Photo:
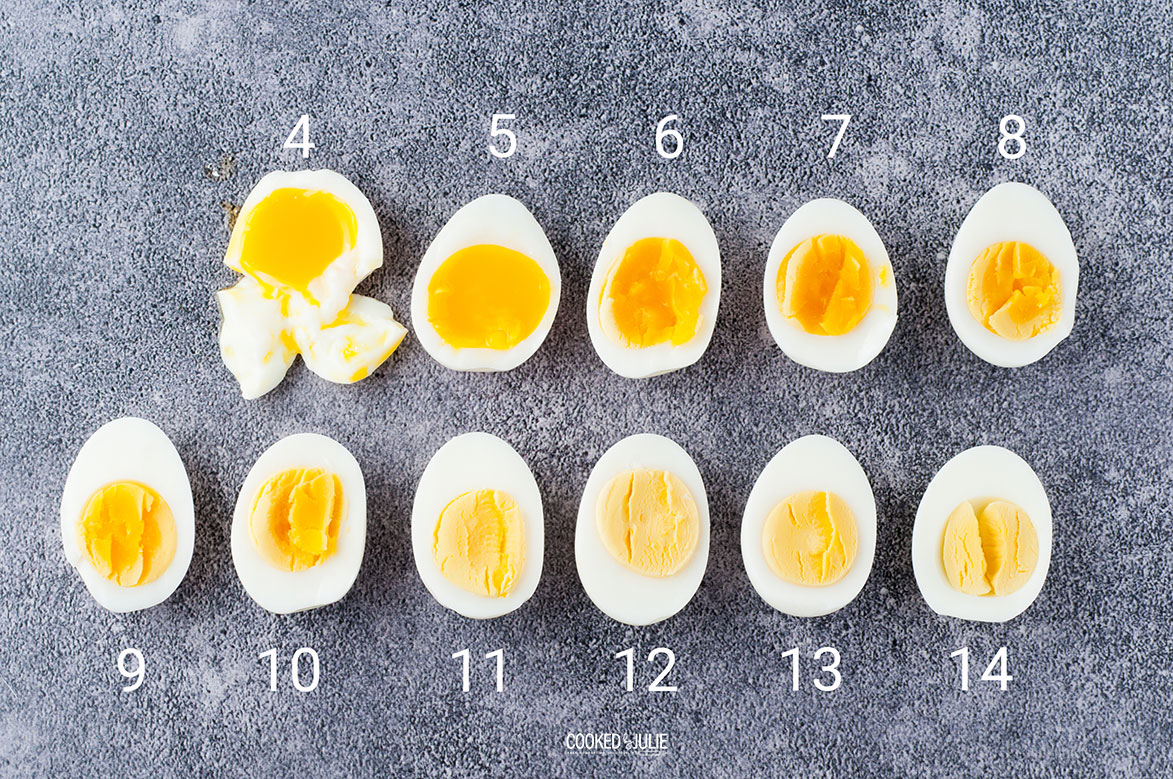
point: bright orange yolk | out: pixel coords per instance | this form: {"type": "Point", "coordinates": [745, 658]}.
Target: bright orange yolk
{"type": "Point", "coordinates": [1014, 291]}
{"type": "Point", "coordinates": [128, 532]}
{"type": "Point", "coordinates": [825, 285]}
{"type": "Point", "coordinates": [654, 293]}
{"type": "Point", "coordinates": [487, 297]}
{"type": "Point", "coordinates": [296, 516]}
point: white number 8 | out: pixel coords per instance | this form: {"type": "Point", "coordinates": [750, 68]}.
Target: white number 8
{"type": "Point", "coordinates": [137, 673]}
{"type": "Point", "coordinates": [1016, 136]}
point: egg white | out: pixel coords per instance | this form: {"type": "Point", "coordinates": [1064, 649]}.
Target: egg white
{"type": "Point", "coordinates": [490, 219]}
{"type": "Point", "coordinates": [984, 472]}
{"type": "Point", "coordinates": [129, 449]}
{"type": "Point", "coordinates": [284, 592]}
{"type": "Point", "coordinates": [251, 343]}
{"type": "Point", "coordinates": [660, 215]}
{"type": "Point", "coordinates": [615, 589]}
{"type": "Point", "coordinates": [469, 462]}
{"type": "Point", "coordinates": [1010, 212]}
{"type": "Point", "coordinates": [854, 349]}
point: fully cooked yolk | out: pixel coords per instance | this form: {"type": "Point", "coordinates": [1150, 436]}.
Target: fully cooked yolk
{"type": "Point", "coordinates": [1014, 291]}
{"type": "Point", "coordinates": [293, 235]}
{"type": "Point", "coordinates": [479, 542]}
{"type": "Point", "coordinates": [648, 521]}
{"type": "Point", "coordinates": [989, 552]}
{"type": "Point", "coordinates": [487, 297]}
{"type": "Point", "coordinates": [128, 532]}
{"type": "Point", "coordinates": [296, 516]}
{"type": "Point", "coordinates": [825, 285]}
{"type": "Point", "coordinates": [654, 293]}
{"type": "Point", "coordinates": [810, 538]}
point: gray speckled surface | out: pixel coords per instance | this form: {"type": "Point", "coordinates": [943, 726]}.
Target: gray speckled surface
{"type": "Point", "coordinates": [113, 238]}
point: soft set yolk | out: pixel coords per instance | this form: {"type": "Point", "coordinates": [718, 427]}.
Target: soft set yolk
{"type": "Point", "coordinates": [128, 532]}
{"type": "Point", "coordinates": [810, 538]}
{"type": "Point", "coordinates": [989, 552]}
{"type": "Point", "coordinates": [1014, 291]}
{"type": "Point", "coordinates": [654, 293]}
{"type": "Point", "coordinates": [648, 521]}
{"type": "Point", "coordinates": [479, 542]}
{"type": "Point", "coordinates": [296, 516]}
{"type": "Point", "coordinates": [825, 285]}
{"type": "Point", "coordinates": [487, 297]}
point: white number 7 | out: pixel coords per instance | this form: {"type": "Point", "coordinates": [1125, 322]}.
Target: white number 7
{"type": "Point", "coordinates": [845, 118]}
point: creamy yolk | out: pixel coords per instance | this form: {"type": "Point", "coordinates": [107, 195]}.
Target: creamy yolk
{"type": "Point", "coordinates": [648, 521]}
{"type": "Point", "coordinates": [1014, 291]}
{"type": "Point", "coordinates": [810, 538]}
{"type": "Point", "coordinates": [296, 516]}
{"type": "Point", "coordinates": [293, 235]}
{"type": "Point", "coordinates": [654, 293]}
{"type": "Point", "coordinates": [989, 552]}
{"type": "Point", "coordinates": [487, 297]}
{"type": "Point", "coordinates": [128, 532]}
{"type": "Point", "coordinates": [825, 285]}
{"type": "Point", "coordinates": [479, 542]}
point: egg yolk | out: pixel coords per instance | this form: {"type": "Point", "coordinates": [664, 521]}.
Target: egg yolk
{"type": "Point", "coordinates": [825, 285]}
{"type": "Point", "coordinates": [293, 235]}
{"type": "Point", "coordinates": [296, 516]}
{"type": "Point", "coordinates": [1014, 291]}
{"type": "Point", "coordinates": [648, 521]}
{"type": "Point", "coordinates": [654, 293]}
{"type": "Point", "coordinates": [487, 297]}
{"type": "Point", "coordinates": [991, 551]}
{"type": "Point", "coordinates": [479, 542]}
{"type": "Point", "coordinates": [810, 539]}
{"type": "Point", "coordinates": [128, 532]}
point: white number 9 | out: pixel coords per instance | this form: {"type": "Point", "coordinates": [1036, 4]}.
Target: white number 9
{"type": "Point", "coordinates": [671, 132]}
{"type": "Point", "coordinates": [135, 673]}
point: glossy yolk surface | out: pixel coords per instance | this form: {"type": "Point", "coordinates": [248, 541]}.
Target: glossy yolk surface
{"type": "Point", "coordinates": [825, 285]}
{"type": "Point", "coordinates": [810, 538]}
{"type": "Point", "coordinates": [989, 552]}
{"type": "Point", "coordinates": [128, 532]}
{"type": "Point", "coordinates": [479, 542]}
{"type": "Point", "coordinates": [296, 517]}
{"type": "Point", "coordinates": [1014, 291]}
{"type": "Point", "coordinates": [648, 521]}
{"type": "Point", "coordinates": [654, 293]}
{"type": "Point", "coordinates": [487, 297]}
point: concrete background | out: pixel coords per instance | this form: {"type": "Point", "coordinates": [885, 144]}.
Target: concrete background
{"type": "Point", "coordinates": [127, 128]}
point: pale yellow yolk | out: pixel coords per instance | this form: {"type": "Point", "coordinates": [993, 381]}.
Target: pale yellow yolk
{"type": "Point", "coordinates": [487, 297]}
{"type": "Point", "coordinates": [810, 538]}
{"type": "Point", "coordinates": [825, 285]}
{"type": "Point", "coordinates": [1014, 291]}
{"type": "Point", "coordinates": [991, 552]}
{"type": "Point", "coordinates": [654, 293]}
{"type": "Point", "coordinates": [128, 532]}
{"type": "Point", "coordinates": [479, 543]}
{"type": "Point", "coordinates": [296, 516]}
{"type": "Point", "coordinates": [293, 235]}
{"type": "Point", "coordinates": [648, 521]}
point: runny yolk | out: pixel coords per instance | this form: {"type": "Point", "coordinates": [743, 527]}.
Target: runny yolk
{"type": "Point", "coordinates": [128, 532]}
{"type": "Point", "coordinates": [479, 542]}
{"type": "Point", "coordinates": [295, 518]}
{"type": "Point", "coordinates": [654, 293]}
{"type": "Point", "coordinates": [487, 297]}
{"type": "Point", "coordinates": [825, 285]}
{"type": "Point", "coordinates": [810, 538]}
{"type": "Point", "coordinates": [1014, 291]}
{"type": "Point", "coordinates": [648, 521]}
{"type": "Point", "coordinates": [991, 551]}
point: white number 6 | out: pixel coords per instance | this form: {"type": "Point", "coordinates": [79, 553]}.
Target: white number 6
{"type": "Point", "coordinates": [671, 132]}
{"type": "Point", "coordinates": [495, 131]}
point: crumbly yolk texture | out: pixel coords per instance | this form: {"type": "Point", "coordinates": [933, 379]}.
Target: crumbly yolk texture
{"type": "Point", "coordinates": [810, 539]}
{"type": "Point", "coordinates": [293, 235]}
{"type": "Point", "coordinates": [825, 285]}
{"type": "Point", "coordinates": [654, 293]}
{"type": "Point", "coordinates": [296, 517]}
{"type": "Point", "coordinates": [487, 297]}
{"type": "Point", "coordinates": [479, 543]}
{"type": "Point", "coordinates": [991, 551]}
{"type": "Point", "coordinates": [128, 532]}
{"type": "Point", "coordinates": [1014, 291]}
{"type": "Point", "coordinates": [648, 521]}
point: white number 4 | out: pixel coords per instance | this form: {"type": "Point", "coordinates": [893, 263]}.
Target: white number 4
{"type": "Point", "coordinates": [510, 138]}
{"type": "Point", "coordinates": [303, 127]}
{"type": "Point", "coordinates": [1002, 676]}
{"type": "Point", "coordinates": [845, 118]}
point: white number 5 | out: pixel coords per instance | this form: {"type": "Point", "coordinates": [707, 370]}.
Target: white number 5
{"type": "Point", "coordinates": [845, 118]}
{"type": "Point", "coordinates": [495, 131]}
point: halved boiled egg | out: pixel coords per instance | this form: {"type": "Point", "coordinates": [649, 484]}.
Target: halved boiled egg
{"type": "Point", "coordinates": [487, 288]}
{"type": "Point", "coordinates": [127, 519]}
